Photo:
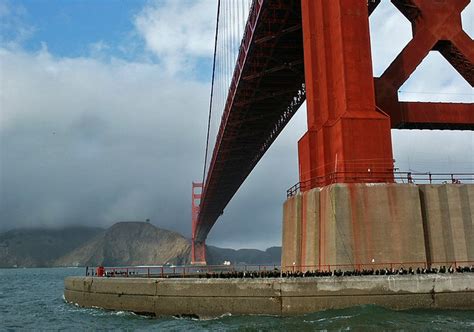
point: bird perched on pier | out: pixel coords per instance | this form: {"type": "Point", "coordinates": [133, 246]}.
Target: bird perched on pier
{"type": "Point", "coordinates": [338, 273]}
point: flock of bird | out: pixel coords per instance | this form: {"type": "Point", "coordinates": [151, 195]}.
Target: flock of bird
{"type": "Point", "coordinates": [336, 273]}
{"type": "Point", "coordinates": [276, 273]}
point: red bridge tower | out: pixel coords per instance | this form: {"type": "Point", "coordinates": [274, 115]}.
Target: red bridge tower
{"type": "Point", "coordinates": [198, 249]}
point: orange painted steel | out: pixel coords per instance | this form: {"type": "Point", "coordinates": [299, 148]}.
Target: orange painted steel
{"type": "Point", "coordinates": [399, 177]}
{"type": "Point", "coordinates": [198, 248]}
{"type": "Point", "coordinates": [346, 131]}
{"type": "Point", "coordinates": [436, 26]}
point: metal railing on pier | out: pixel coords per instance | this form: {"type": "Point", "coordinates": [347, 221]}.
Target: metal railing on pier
{"type": "Point", "coordinates": [271, 270]}
{"type": "Point", "coordinates": [398, 177]}
{"type": "Point", "coordinates": [181, 271]}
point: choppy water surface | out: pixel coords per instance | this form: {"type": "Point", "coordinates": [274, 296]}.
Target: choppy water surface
{"type": "Point", "coordinates": [33, 299]}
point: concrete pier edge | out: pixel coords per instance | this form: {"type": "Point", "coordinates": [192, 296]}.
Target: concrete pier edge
{"type": "Point", "coordinates": [206, 298]}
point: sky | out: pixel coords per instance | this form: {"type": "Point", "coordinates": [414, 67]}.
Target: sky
{"type": "Point", "coordinates": [103, 114]}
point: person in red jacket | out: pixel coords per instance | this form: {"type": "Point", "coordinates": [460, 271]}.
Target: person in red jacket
{"type": "Point", "coordinates": [100, 271]}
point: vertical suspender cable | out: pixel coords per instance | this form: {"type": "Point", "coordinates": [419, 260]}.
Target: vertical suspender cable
{"type": "Point", "coordinates": [227, 45]}
{"type": "Point", "coordinates": [239, 19]}
{"type": "Point", "coordinates": [222, 59]}
{"type": "Point", "coordinates": [231, 32]}
{"type": "Point", "coordinates": [224, 43]}
{"type": "Point", "coordinates": [232, 50]}
{"type": "Point", "coordinates": [212, 92]}
{"type": "Point", "coordinates": [224, 54]}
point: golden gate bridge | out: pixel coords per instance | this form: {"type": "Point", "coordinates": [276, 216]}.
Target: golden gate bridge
{"type": "Point", "coordinates": [272, 55]}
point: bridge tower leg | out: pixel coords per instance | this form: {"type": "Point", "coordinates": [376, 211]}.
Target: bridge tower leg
{"type": "Point", "coordinates": [198, 249]}
{"type": "Point", "coordinates": [348, 138]}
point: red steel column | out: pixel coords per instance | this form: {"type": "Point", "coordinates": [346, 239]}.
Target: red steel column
{"type": "Point", "coordinates": [348, 139]}
{"type": "Point", "coordinates": [198, 249]}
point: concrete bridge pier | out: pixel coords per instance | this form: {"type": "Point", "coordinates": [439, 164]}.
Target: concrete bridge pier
{"type": "Point", "coordinates": [357, 226]}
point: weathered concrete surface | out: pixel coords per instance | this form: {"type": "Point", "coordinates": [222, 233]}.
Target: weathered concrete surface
{"type": "Point", "coordinates": [310, 235]}
{"type": "Point", "coordinates": [449, 222]}
{"type": "Point", "coordinates": [292, 231]}
{"type": "Point", "coordinates": [346, 225]}
{"type": "Point", "coordinates": [300, 233]}
{"type": "Point", "coordinates": [214, 297]}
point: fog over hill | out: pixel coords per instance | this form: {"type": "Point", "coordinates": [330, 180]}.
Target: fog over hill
{"type": "Point", "coordinates": [125, 243]}
{"type": "Point", "coordinates": [41, 246]}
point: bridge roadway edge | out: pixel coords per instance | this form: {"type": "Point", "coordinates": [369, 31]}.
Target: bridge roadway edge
{"type": "Point", "coordinates": [207, 298]}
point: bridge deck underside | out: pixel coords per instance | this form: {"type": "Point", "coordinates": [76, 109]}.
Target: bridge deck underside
{"type": "Point", "coordinates": [267, 91]}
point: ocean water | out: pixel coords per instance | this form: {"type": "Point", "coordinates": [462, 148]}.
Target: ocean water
{"type": "Point", "coordinates": [32, 299]}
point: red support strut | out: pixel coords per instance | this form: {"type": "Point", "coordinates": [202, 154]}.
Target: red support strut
{"type": "Point", "coordinates": [198, 249]}
{"type": "Point", "coordinates": [436, 26]}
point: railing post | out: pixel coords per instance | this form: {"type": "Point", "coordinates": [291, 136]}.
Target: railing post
{"type": "Point", "coordinates": [148, 273]}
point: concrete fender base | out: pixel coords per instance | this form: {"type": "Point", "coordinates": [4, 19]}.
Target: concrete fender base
{"type": "Point", "coordinates": [214, 297]}
{"type": "Point", "coordinates": [366, 225]}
